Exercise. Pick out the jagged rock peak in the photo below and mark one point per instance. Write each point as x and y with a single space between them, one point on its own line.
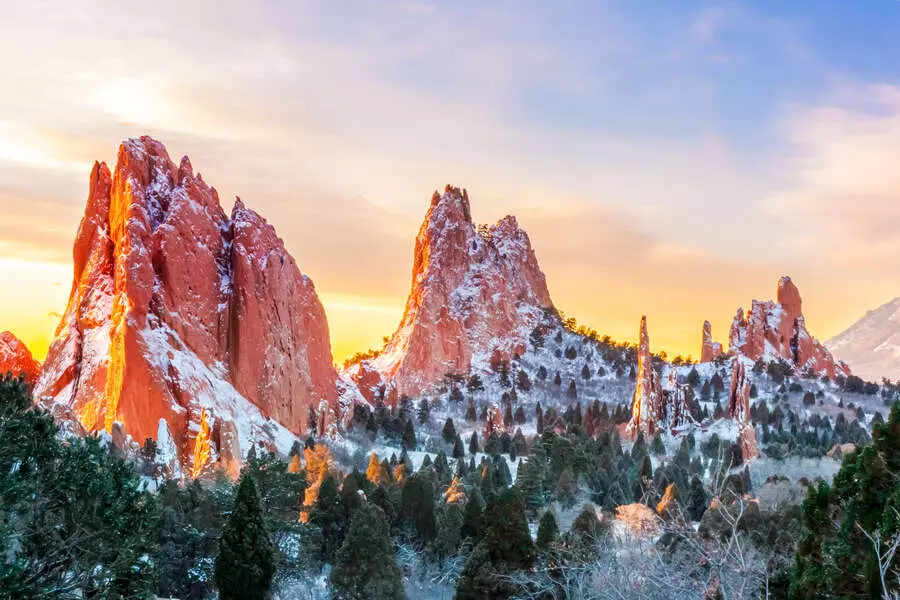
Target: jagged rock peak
182 314
16 358
710 349
648 394
475 290
777 331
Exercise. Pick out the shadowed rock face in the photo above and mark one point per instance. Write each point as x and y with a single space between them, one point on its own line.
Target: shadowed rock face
711 349
474 291
653 407
777 330
16 359
183 313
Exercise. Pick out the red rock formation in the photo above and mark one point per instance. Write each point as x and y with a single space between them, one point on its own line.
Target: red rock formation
739 409
677 407
777 331
16 359
474 291
181 314
647 402
710 350
739 395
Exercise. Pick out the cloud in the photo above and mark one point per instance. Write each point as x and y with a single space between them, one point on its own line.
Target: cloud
844 197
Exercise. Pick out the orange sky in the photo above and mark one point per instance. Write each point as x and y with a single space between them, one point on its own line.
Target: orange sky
672 162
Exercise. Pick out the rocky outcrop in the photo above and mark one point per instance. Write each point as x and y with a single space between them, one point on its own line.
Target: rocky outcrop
739 409
710 350
475 290
655 408
777 331
648 401
183 314
16 359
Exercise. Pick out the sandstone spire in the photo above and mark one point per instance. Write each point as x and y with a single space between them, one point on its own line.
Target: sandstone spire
710 349
648 394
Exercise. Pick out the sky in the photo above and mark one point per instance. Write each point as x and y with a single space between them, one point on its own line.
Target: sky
671 159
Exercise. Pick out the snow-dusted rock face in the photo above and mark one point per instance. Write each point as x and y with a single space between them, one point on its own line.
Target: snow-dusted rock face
871 346
710 349
648 401
474 291
16 358
655 408
181 313
777 330
739 409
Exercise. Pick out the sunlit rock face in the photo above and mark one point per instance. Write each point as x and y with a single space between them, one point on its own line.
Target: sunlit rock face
777 331
739 409
655 407
648 401
16 359
711 349
181 312
475 290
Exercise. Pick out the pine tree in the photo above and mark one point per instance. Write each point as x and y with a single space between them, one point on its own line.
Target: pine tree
424 413
657 448
409 436
417 506
245 565
523 382
473 443
572 392
449 431
328 515
519 417
472 515
366 568
471 414
459 451
548 531
539 415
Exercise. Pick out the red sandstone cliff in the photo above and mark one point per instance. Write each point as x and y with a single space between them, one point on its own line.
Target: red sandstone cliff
184 322
777 330
475 290
16 358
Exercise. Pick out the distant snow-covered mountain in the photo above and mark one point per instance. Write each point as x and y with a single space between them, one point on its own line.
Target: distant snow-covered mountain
871 346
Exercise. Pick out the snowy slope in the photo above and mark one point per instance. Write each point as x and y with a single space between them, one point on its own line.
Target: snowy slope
871 346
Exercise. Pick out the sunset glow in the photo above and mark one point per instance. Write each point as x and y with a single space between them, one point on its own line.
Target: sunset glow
705 169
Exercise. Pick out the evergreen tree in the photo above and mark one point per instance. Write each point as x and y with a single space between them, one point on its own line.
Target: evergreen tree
366 568
424 413
548 531
473 443
328 515
837 559
409 436
245 565
519 417
74 520
572 392
472 515
417 506
523 382
657 448
539 415
471 414
505 548
449 431
459 451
